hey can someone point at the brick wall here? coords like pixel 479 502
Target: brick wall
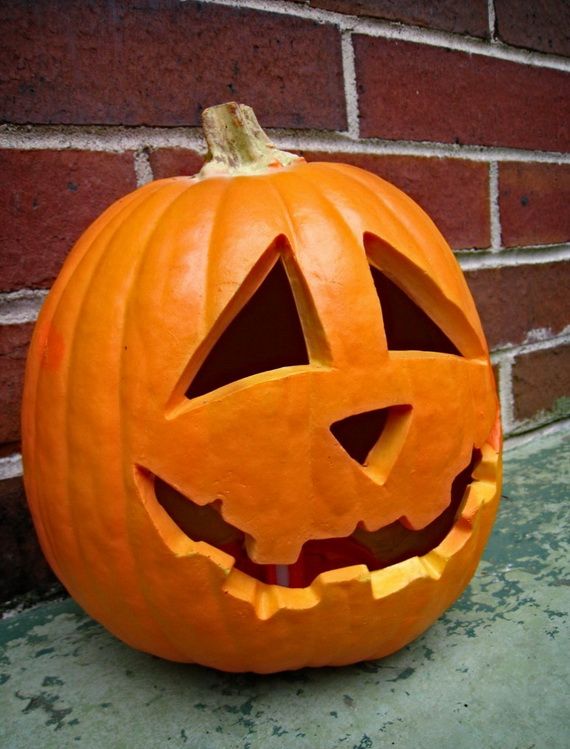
pixel 462 103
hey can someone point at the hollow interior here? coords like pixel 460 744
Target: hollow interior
pixel 407 326
pixel 375 549
pixel 265 334
pixel 360 432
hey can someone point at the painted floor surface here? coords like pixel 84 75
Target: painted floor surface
pixel 493 672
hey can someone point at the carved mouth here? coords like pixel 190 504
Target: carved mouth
pixel 375 549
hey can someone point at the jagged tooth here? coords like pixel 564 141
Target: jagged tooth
pixel 241 585
pixel 297 598
pixel 268 599
pixel 265 602
pixel 434 564
pixel 486 469
pixel 478 494
pixel 219 557
pixel 486 491
pixel 389 580
pixel 341 575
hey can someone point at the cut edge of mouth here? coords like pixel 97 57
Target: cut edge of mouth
pixel 384 575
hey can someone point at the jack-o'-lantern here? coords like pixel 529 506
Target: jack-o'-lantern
pixel 260 425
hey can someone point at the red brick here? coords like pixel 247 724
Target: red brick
pixel 47 198
pixel 175 162
pixel 143 62
pixel 23 567
pixel 14 340
pixel 448 15
pixel 534 201
pixel 514 300
pixel 418 92
pixel 454 192
pixel 542 26
pixel 541 383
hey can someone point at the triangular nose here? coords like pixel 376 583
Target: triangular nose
pixel 360 432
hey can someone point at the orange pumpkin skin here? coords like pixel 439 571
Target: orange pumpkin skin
pixel 143 296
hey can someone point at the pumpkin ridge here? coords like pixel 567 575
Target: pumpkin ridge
pixel 107 251
pixel 306 175
pixel 315 335
pixel 209 318
pixel 431 259
pixel 359 177
pixel 127 482
pixel 48 313
pixel 273 185
pixel 114 214
pixel 361 240
pixel 289 192
pixel 53 300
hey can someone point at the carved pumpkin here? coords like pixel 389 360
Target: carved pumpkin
pixel 260 426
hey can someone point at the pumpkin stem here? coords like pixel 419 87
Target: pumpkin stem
pixel 237 144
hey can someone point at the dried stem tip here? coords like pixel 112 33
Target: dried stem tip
pixel 237 144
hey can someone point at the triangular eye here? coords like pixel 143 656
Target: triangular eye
pixel 407 327
pixel 359 433
pixel 266 334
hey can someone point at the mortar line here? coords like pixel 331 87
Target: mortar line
pixel 505 390
pixel 11 466
pixel 143 169
pixel 22 306
pixel 492 20
pixel 507 258
pixel 350 91
pixel 494 208
pixel 513 351
pixel 118 139
pixel 394 30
